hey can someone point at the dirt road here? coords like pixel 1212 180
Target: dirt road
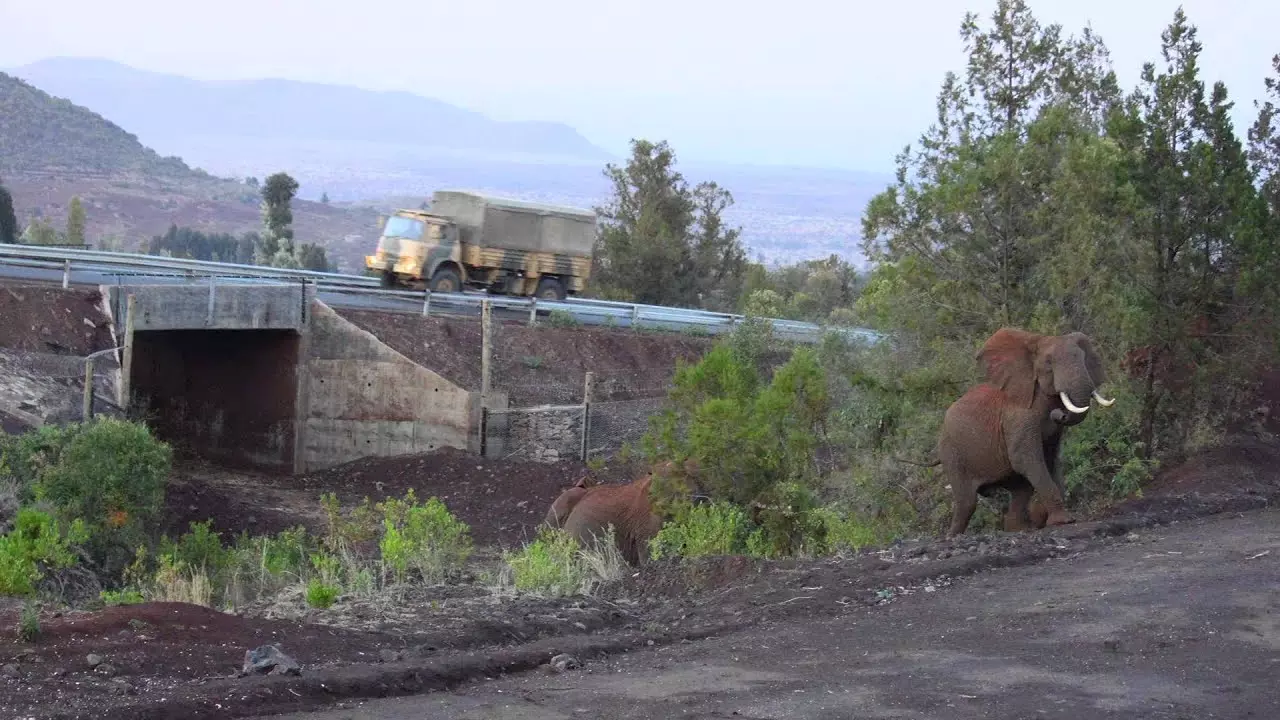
pixel 1180 622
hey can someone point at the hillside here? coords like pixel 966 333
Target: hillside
pixel 40 133
pixel 52 150
pixel 161 108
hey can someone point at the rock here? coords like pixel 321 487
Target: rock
pixel 10 671
pixel 388 655
pixel 563 662
pixel 122 686
pixel 105 670
pixel 93 660
pixel 269 660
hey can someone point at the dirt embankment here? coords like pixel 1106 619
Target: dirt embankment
pixel 177 662
pixel 502 501
pixel 538 365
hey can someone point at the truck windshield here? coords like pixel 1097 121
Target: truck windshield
pixel 403 227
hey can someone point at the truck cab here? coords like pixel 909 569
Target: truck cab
pixel 413 246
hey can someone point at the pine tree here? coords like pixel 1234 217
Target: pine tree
pixel 8 220
pixel 661 242
pixel 75 222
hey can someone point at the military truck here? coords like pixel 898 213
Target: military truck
pixel 469 240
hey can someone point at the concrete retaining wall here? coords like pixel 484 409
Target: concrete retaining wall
pixel 358 397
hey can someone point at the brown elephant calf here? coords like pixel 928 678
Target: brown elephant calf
pixel 592 509
pixel 564 503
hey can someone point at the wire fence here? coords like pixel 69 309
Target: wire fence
pixel 551 433
pixel 565 393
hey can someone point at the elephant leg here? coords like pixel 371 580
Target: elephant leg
pixel 1026 454
pixel 964 500
pixel 1016 518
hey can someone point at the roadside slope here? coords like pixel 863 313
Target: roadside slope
pixel 1180 622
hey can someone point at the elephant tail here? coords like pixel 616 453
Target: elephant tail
pixel 934 463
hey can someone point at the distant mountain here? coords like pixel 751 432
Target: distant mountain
pixel 52 149
pixel 40 133
pixel 163 108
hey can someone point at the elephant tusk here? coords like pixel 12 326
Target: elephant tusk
pixel 1103 401
pixel 1066 402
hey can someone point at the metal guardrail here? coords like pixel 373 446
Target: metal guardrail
pixel 341 290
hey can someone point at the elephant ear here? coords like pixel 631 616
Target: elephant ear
pixel 1008 362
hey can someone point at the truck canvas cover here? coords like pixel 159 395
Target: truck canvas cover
pixel 496 222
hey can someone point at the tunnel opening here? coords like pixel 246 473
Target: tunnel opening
pixel 226 396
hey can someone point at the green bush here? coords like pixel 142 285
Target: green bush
pixel 320 595
pixel 121 597
pixel 717 528
pixel 788 523
pixel 425 538
pixel 549 565
pixel 109 473
pixel 35 545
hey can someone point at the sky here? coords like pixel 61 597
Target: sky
pixel 805 83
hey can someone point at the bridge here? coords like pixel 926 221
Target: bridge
pixel 252 366
pixel 268 376
pixel 74 266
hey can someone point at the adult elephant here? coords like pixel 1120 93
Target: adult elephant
pixel 1007 432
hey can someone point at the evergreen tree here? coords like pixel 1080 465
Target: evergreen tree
pixel 75 222
pixel 8 220
pixel 277 247
pixel 661 242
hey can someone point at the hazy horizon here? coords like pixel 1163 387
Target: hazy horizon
pixel 737 88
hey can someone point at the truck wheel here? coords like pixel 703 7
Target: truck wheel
pixel 550 288
pixel 446 280
pixel 388 278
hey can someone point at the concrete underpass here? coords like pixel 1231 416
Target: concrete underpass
pixel 266 377
pixel 226 395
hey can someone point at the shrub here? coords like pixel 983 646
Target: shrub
pixel 121 597
pixel 29 622
pixel 717 528
pixel 321 595
pixel 788 523
pixel 426 538
pixel 110 473
pixel 549 565
pixel 34 545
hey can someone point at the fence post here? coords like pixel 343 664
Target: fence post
pixel 66 274
pixel 426 304
pixel 486 351
pixel 87 410
pixel 208 316
pixel 533 311
pixel 588 385
pixel 635 316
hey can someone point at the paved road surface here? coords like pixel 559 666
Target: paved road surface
pixel 1182 622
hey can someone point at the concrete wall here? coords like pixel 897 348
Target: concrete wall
pixel 222 307
pixel 227 395
pixel 358 397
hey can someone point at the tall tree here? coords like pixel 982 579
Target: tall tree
pixel 277 247
pixel 660 241
pixel 8 220
pixel 1205 259
pixel 75 222
pixel 962 234
pixel 1264 140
